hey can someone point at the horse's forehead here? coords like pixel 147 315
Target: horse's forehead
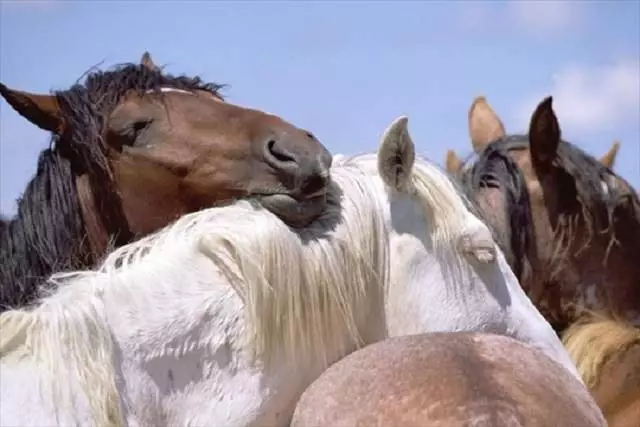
pixel 470 161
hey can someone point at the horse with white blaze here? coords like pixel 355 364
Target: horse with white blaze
pixel 225 317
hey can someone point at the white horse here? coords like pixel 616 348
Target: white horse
pixel 224 317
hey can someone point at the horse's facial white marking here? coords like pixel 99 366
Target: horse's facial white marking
pixel 172 89
pixel 605 187
pixel 589 295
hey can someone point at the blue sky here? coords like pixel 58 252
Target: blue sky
pixel 344 70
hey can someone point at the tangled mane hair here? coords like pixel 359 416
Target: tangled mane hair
pixel 48 232
pixel 495 168
pixel 594 339
pixel 306 293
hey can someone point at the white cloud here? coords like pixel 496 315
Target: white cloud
pixel 540 18
pixel 544 16
pixel 591 99
pixel 474 15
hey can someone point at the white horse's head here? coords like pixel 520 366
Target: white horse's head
pixel 446 272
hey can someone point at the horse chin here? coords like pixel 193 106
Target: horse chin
pixel 293 212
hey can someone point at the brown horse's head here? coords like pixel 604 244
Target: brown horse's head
pixel 567 222
pixel 172 146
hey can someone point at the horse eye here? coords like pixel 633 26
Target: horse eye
pixel 136 129
pixel 140 125
pixel 489 181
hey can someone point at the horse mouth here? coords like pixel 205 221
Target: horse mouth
pixel 294 211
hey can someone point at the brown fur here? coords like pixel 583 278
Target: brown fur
pixel 132 149
pixel 173 153
pixel 607 354
pixel 447 380
pixel 574 249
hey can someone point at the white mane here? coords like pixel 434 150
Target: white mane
pixel 444 203
pixel 302 289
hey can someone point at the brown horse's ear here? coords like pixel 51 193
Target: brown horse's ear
pixel 484 124
pixel 453 162
pixel 610 157
pixel 147 62
pixel 544 133
pixel 41 110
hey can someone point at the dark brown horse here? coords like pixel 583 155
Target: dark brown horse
pixel 569 225
pixel 132 149
pixel 447 380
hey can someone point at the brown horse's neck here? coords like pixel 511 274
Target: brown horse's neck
pixel 48 234
pixel 97 226
pixel 600 272
pixel 612 266
pixel 618 390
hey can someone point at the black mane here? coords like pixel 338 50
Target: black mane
pixel 493 167
pixel 48 235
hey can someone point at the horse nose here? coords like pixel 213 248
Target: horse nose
pixel 280 157
pixel 305 161
pixel 317 177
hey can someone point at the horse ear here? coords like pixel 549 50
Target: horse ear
pixel 396 155
pixel 147 62
pixel 453 162
pixel 41 110
pixel 610 157
pixel 544 133
pixel 484 124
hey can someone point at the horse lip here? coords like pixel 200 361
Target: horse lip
pixel 296 213
pixel 299 197
pixel 321 192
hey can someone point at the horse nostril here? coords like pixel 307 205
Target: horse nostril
pixel 278 153
pixel 314 183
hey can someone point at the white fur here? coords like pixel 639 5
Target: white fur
pixel 172 89
pixel 225 317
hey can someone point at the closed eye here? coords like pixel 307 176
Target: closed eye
pixel 137 129
pixel 140 126
pixel 489 181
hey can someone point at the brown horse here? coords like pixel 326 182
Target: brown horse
pixel 132 149
pixel 454 163
pixel 567 223
pixel 607 355
pixel 446 380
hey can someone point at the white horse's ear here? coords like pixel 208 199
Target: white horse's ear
pixel 396 155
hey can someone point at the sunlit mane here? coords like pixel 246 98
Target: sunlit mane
pixel 593 340
pixel 449 212
pixel 305 292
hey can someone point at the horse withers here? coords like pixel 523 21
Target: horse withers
pixel 225 317
pixel 133 149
